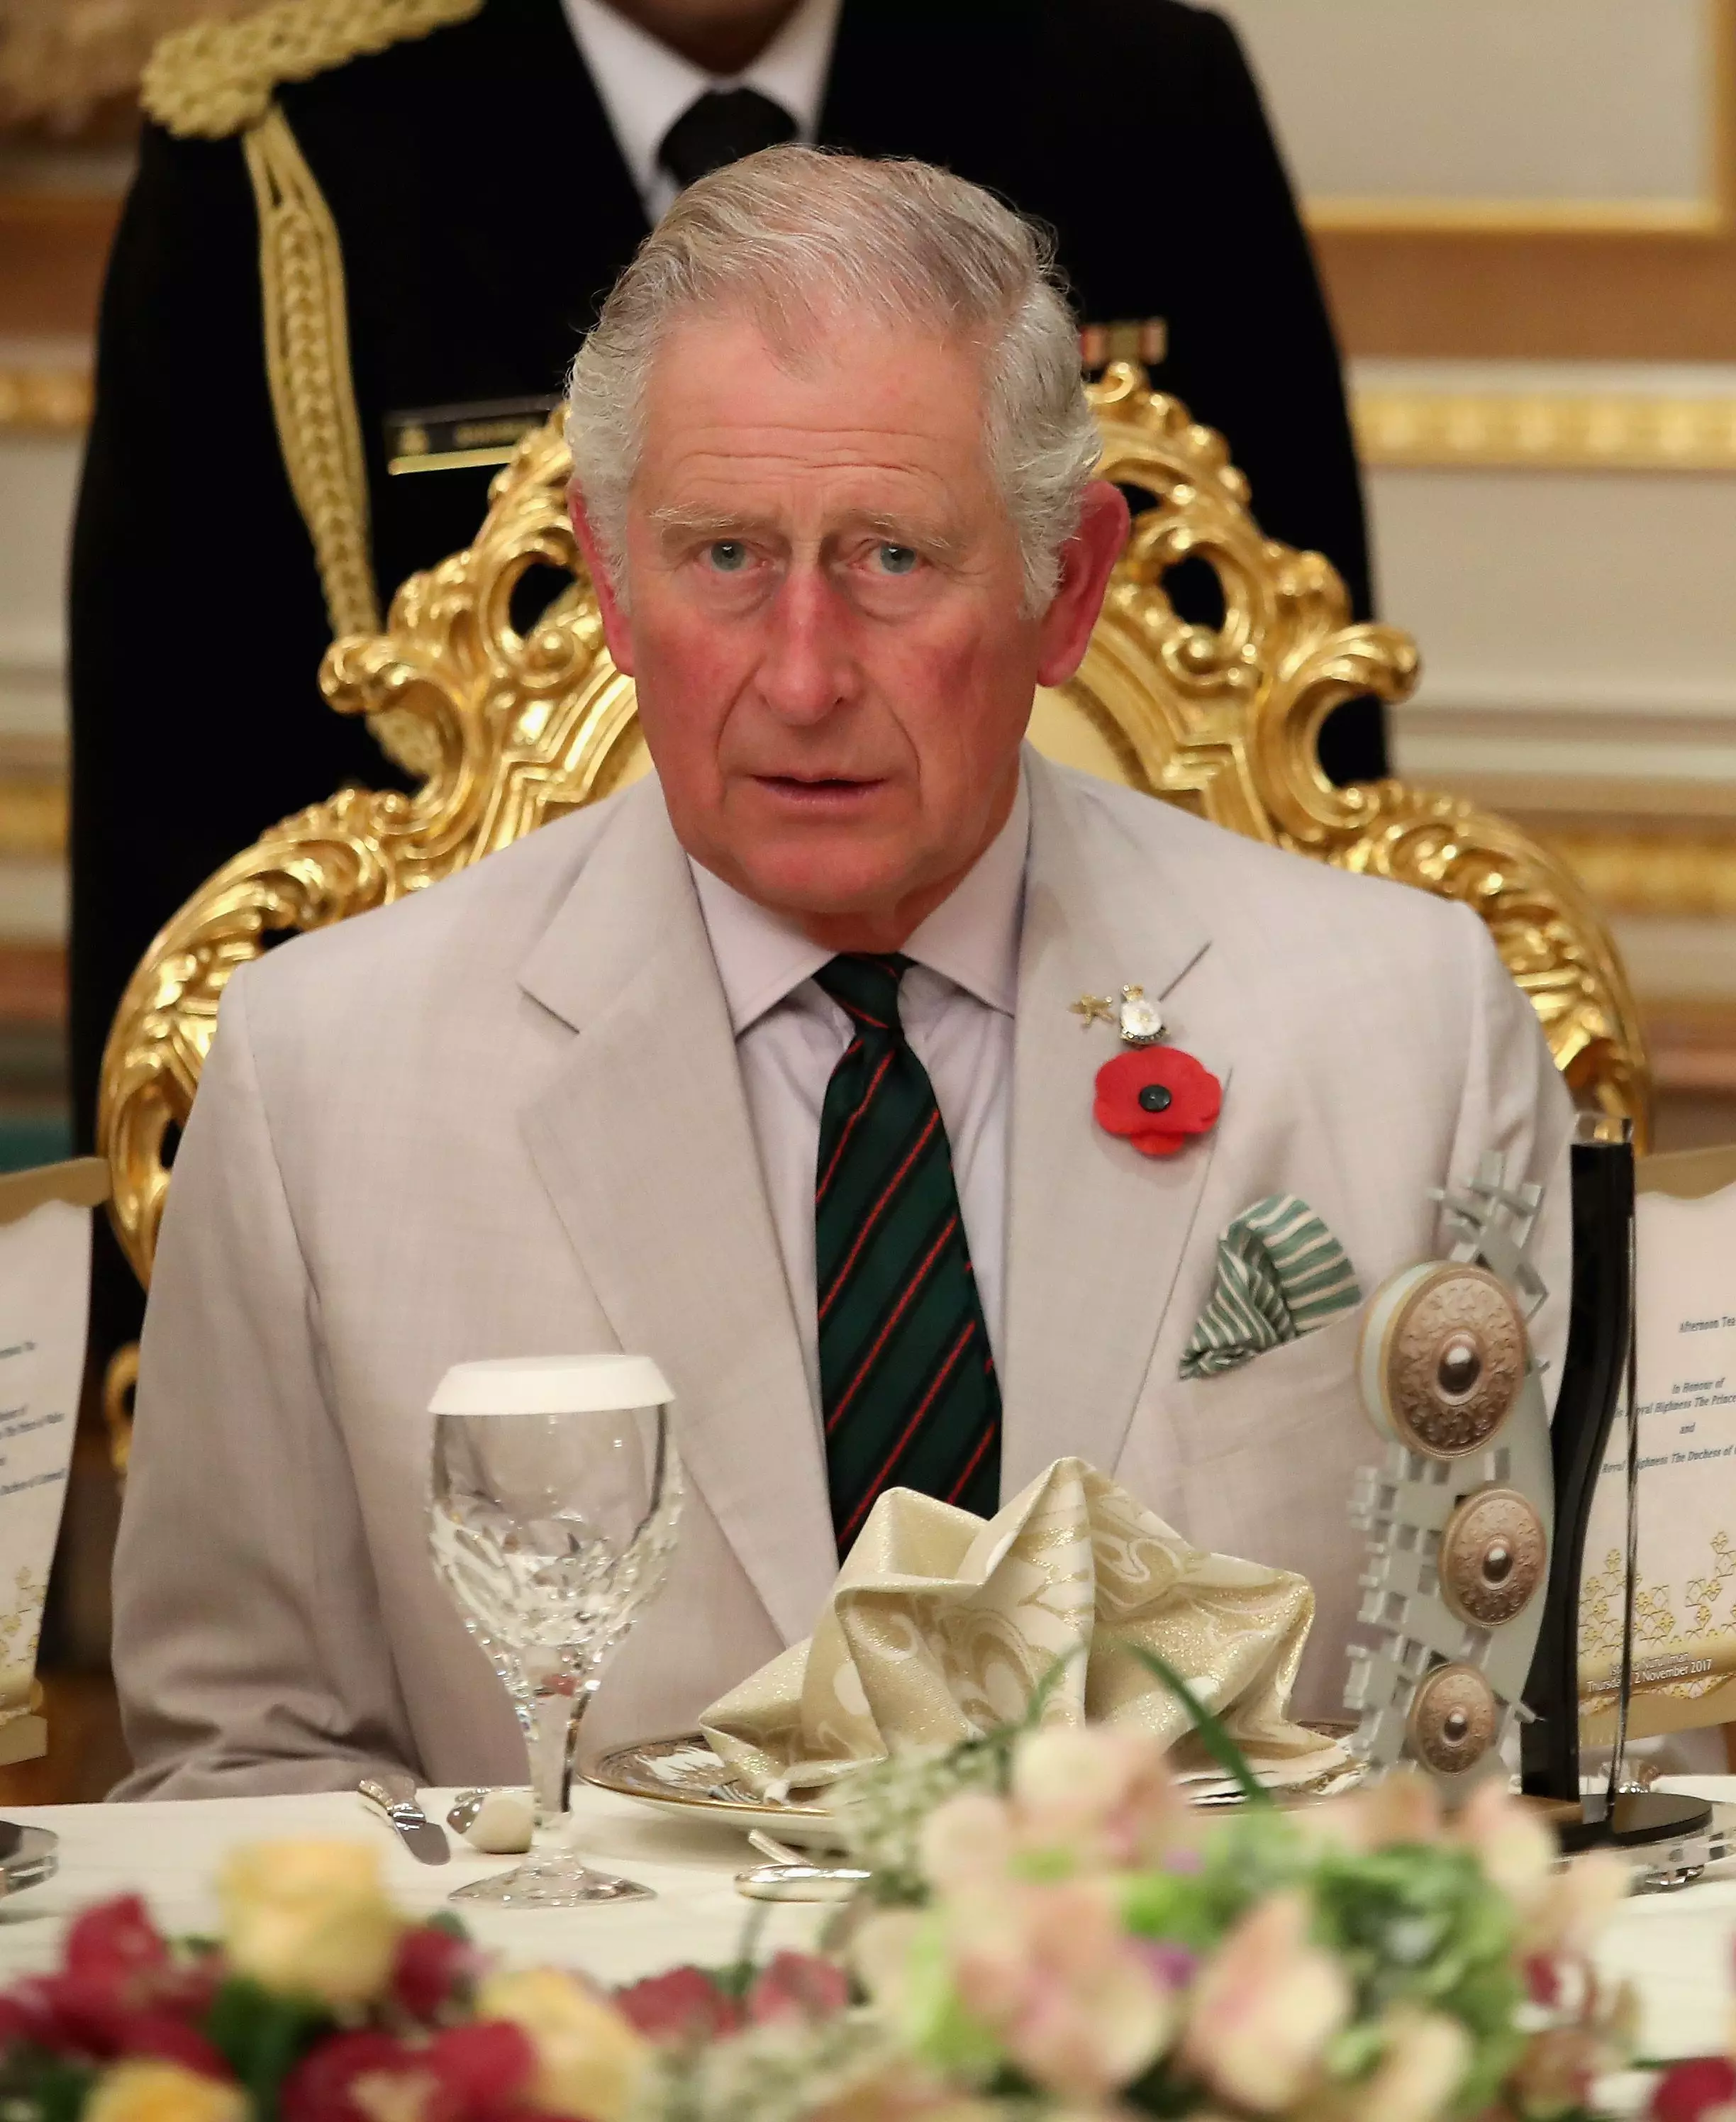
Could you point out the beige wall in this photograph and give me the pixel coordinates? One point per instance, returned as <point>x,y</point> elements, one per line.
<point>1607,104</point>
<point>39,466</point>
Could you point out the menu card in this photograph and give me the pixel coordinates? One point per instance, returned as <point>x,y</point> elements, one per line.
<point>45,1299</point>
<point>1684,1653</point>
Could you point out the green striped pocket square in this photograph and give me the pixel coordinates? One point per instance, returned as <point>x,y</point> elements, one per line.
<point>1281,1274</point>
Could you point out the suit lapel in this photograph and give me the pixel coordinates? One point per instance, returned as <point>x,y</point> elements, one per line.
<point>1096,1230</point>
<point>643,1141</point>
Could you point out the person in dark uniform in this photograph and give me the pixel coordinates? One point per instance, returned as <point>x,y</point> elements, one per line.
<point>446,190</point>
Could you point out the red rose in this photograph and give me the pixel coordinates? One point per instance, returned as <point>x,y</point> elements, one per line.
<point>797,1985</point>
<point>1157,1096</point>
<point>431,1968</point>
<point>71,2015</point>
<point>480,2072</point>
<point>482,2069</point>
<point>114,1943</point>
<point>685,2005</point>
<point>1686,2090</point>
<point>321,2086</point>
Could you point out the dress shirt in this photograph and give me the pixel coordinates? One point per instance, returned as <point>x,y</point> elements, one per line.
<point>956,1004</point>
<point>644,87</point>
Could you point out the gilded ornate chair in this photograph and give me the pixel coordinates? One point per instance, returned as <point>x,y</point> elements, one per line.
<point>518,716</point>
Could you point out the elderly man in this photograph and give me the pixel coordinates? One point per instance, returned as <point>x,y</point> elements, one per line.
<point>768,1067</point>
<point>488,167</point>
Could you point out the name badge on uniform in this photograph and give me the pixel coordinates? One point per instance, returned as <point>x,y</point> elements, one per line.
<point>450,437</point>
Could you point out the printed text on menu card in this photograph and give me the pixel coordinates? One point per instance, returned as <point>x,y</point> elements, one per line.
<point>1685,1593</point>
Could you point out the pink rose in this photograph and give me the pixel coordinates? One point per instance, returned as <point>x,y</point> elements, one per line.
<point>1421,2068</point>
<point>1402,1807</point>
<point>1049,1971</point>
<point>1515,1849</point>
<point>1265,2006</point>
<point>1106,1794</point>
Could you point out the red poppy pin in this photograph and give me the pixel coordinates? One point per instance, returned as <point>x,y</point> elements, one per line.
<point>1156,1095</point>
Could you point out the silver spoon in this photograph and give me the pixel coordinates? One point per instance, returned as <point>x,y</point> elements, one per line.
<point>791,1877</point>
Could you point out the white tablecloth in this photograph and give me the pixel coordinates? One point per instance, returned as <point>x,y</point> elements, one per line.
<point>170,1853</point>
<point>1676,1948</point>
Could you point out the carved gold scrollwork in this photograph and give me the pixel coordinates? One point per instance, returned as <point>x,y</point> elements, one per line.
<point>520,726</point>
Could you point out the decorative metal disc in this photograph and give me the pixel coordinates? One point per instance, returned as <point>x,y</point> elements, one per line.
<point>1493,1554</point>
<point>1454,1361</point>
<point>1454,1719</point>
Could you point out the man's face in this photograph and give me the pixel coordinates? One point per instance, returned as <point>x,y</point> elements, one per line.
<point>833,670</point>
<point>721,36</point>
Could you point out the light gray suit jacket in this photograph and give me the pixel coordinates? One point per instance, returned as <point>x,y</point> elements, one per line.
<point>505,1118</point>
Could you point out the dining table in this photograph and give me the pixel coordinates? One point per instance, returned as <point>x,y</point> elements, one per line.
<point>171,1851</point>
<point>1677,1949</point>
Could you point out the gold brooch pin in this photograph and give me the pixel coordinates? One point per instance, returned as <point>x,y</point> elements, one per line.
<point>1137,1018</point>
<point>1089,1007</point>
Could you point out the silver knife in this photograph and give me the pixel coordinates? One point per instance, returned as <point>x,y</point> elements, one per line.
<point>395,1797</point>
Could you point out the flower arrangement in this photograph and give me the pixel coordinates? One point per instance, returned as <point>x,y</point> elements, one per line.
<point>1051,1930</point>
<point>1087,1936</point>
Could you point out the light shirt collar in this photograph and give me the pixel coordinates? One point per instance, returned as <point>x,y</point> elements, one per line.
<point>645,86</point>
<point>971,938</point>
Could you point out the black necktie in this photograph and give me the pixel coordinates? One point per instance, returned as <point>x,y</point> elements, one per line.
<point>721,127</point>
<point>908,1383</point>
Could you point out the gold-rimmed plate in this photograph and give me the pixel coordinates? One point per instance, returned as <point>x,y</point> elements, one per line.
<point>682,1775</point>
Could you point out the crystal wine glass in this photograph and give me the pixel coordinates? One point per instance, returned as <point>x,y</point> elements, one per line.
<point>555,1497</point>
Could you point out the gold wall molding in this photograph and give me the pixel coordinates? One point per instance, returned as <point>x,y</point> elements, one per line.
<point>33,818</point>
<point>1399,216</point>
<point>44,401</point>
<point>1648,868</point>
<point>1547,430</point>
<point>1541,430</point>
<point>1651,868</point>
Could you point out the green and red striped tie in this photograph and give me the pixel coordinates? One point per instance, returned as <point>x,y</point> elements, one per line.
<point>907,1383</point>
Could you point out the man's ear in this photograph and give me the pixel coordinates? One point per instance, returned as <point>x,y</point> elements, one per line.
<point>1086,560</point>
<point>616,631</point>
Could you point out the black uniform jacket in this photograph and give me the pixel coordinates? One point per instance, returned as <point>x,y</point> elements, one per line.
<point>483,210</point>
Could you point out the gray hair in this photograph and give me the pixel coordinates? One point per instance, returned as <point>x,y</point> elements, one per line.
<point>794,236</point>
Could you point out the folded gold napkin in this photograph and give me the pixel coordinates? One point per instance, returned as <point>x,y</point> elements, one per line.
<point>941,1626</point>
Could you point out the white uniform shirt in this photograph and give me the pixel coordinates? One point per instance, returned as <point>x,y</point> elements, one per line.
<point>956,1003</point>
<point>645,87</point>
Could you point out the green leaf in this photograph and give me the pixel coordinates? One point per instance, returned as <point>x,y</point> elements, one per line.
<point>737,1979</point>
<point>37,2087</point>
<point>261,2036</point>
<point>1173,1906</point>
<point>1166,2093</point>
<point>934,2020</point>
<point>1212,1733</point>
